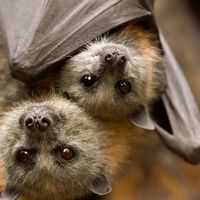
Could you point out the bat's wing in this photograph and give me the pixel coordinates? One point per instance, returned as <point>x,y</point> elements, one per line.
<point>182,112</point>
<point>177,114</point>
<point>177,117</point>
<point>42,32</point>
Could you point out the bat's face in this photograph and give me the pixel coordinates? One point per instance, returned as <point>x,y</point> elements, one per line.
<point>50,152</point>
<point>108,79</point>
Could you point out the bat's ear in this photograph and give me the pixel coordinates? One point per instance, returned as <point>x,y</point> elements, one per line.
<point>101,185</point>
<point>141,118</point>
<point>9,194</point>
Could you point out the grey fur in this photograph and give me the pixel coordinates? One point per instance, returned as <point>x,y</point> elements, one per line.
<point>103,100</point>
<point>45,179</point>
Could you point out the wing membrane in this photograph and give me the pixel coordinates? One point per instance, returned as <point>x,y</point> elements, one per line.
<point>42,32</point>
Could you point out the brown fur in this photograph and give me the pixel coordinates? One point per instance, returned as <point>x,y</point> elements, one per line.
<point>142,70</point>
<point>146,42</point>
<point>109,147</point>
<point>123,139</point>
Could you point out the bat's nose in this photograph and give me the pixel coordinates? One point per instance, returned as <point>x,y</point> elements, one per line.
<point>38,118</point>
<point>114,58</point>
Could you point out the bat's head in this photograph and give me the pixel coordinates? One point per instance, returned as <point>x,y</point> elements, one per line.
<point>50,152</point>
<point>112,79</point>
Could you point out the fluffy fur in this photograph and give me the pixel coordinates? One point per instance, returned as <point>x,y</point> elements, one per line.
<point>100,149</point>
<point>105,146</point>
<point>142,71</point>
<point>49,177</point>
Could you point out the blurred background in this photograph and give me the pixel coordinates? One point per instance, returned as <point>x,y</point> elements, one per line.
<point>157,174</point>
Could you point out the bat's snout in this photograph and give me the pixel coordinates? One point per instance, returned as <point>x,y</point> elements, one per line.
<point>114,59</point>
<point>38,118</point>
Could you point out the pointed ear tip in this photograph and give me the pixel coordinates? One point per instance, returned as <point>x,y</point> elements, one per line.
<point>101,186</point>
<point>103,191</point>
<point>151,128</point>
<point>106,192</point>
<point>142,119</point>
<point>147,125</point>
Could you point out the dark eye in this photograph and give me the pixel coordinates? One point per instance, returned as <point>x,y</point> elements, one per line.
<point>66,153</point>
<point>124,87</point>
<point>88,80</point>
<point>25,156</point>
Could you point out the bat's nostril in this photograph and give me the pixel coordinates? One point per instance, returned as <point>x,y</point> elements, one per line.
<point>38,118</point>
<point>45,122</point>
<point>122,59</point>
<point>115,59</point>
<point>29,122</point>
<point>108,58</point>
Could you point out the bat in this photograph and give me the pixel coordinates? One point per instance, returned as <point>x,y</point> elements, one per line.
<point>117,77</point>
<point>40,34</point>
<point>49,150</point>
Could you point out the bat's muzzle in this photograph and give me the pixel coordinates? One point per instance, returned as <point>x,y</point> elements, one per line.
<point>114,59</point>
<point>38,118</point>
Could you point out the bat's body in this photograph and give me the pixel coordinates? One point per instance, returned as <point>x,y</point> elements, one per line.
<point>51,149</point>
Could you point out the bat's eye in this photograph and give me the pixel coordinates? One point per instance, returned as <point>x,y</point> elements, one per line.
<point>25,156</point>
<point>124,87</point>
<point>66,153</point>
<point>88,80</point>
